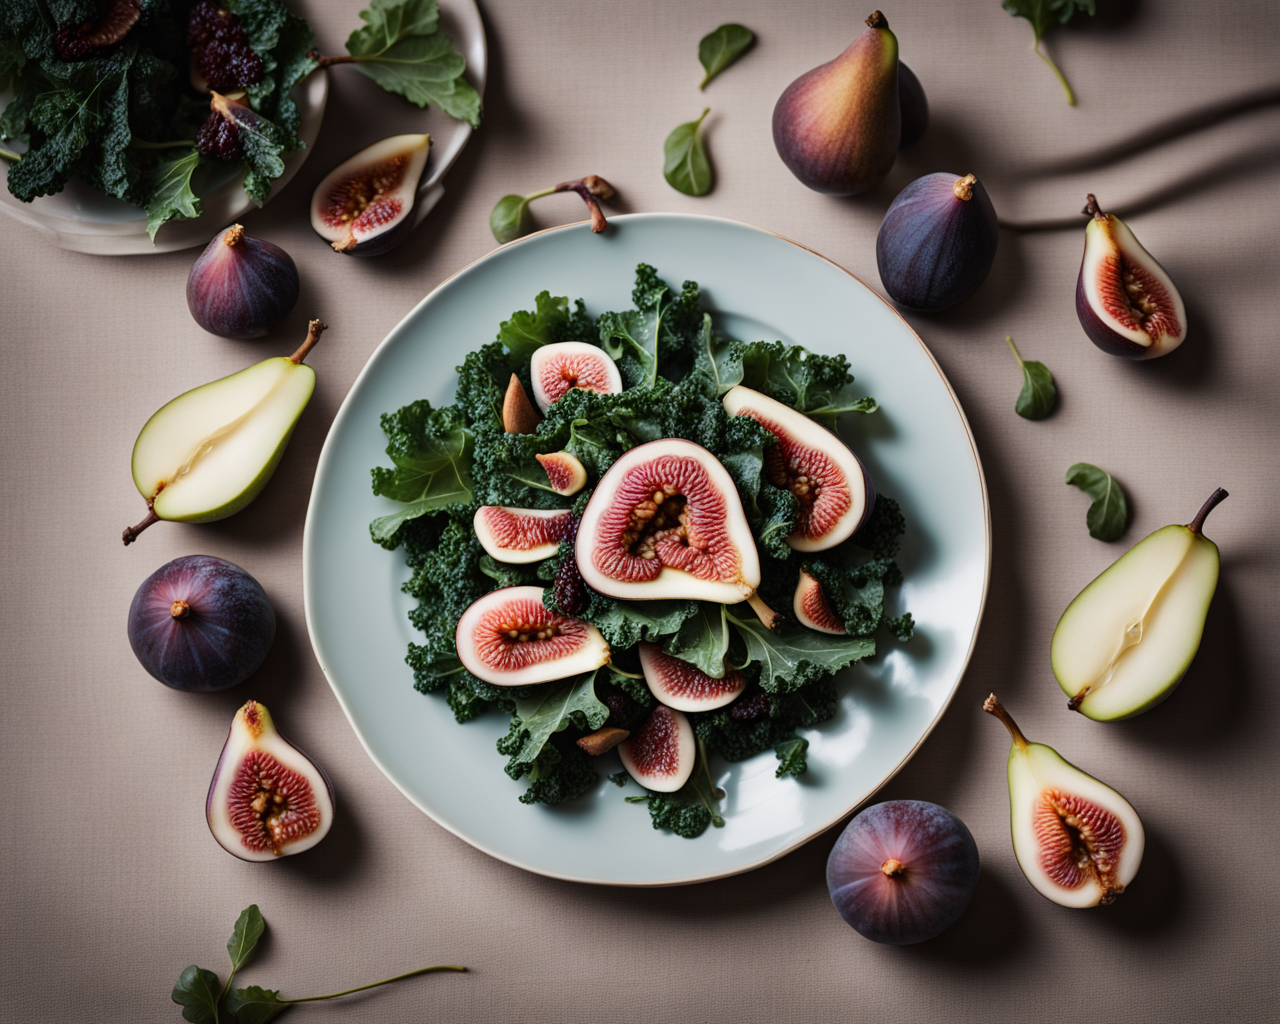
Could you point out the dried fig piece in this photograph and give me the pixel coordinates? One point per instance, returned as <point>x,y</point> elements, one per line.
<point>518,414</point>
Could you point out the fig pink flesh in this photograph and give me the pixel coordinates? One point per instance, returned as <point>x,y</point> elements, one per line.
<point>813,609</point>
<point>1136,298</point>
<point>685,687</point>
<point>271,805</point>
<point>572,366</point>
<point>660,756</point>
<point>517,530</point>
<point>564,472</point>
<point>363,201</point>
<point>539,635</point>
<point>811,475</point>
<point>1078,839</point>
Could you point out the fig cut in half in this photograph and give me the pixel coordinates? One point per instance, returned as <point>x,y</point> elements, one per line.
<point>556,368</point>
<point>1077,840</point>
<point>660,755</point>
<point>509,638</point>
<point>1126,302</point>
<point>364,206</point>
<point>268,799</point>
<point>666,521</point>
<point>565,472</point>
<point>518,536</point>
<point>813,609</point>
<point>834,490</point>
<point>684,687</point>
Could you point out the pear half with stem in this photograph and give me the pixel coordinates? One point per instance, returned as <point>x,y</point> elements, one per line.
<point>1077,840</point>
<point>210,451</point>
<point>1128,638</point>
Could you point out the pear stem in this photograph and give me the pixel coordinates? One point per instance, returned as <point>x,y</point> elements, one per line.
<point>877,20</point>
<point>1197,524</point>
<point>893,867</point>
<point>1091,207</point>
<point>131,532</point>
<point>992,706</point>
<point>314,329</point>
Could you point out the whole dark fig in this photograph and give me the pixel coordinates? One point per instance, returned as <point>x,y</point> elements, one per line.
<point>201,624</point>
<point>937,241</point>
<point>241,287</point>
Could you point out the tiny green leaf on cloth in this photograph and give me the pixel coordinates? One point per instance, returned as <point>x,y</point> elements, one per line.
<point>1039,393</point>
<point>1108,515</point>
<point>720,48</point>
<point>510,218</point>
<point>245,935</point>
<point>686,166</point>
<point>254,1004</point>
<point>197,992</point>
<point>1043,15</point>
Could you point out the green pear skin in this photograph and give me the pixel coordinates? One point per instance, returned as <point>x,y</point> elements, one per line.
<point>1126,641</point>
<point>837,127</point>
<point>209,452</point>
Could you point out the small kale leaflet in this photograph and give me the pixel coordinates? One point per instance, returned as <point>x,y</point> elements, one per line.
<point>431,450</point>
<point>1043,15</point>
<point>791,757</point>
<point>1038,395</point>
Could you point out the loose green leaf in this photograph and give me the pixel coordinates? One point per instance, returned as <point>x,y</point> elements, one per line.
<point>685,164</point>
<point>1108,515</point>
<point>1039,394</point>
<point>510,218</point>
<point>792,759</point>
<point>431,450</point>
<point>170,189</point>
<point>791,658</point>
<point>556,707</point>
<point>255,1005</point>
<point>244,936</point>
<point>197,992</point>
<point>1043,15</point>
<point>400,48</point>
<point>720,48</point>
<point>703,639</point>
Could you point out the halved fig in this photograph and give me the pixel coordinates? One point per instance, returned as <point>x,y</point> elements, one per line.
<point>684,687</point>
<point>660,756</point>
<point>267,798</point>
<point>1126,302</point>
<point>92,38</point>
<point>813,609</point>
<point>364,206</point>
<point>509,638</point>
<point>835,492</point>
<point>565,472</point>
<point>520,535</point>
<point>666,521</point>
<point>556,368</point>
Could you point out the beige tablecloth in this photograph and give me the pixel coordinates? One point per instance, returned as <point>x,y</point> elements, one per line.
<point>111,882</point>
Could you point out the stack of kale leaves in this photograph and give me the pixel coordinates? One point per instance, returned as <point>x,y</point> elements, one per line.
<point>675,367</point>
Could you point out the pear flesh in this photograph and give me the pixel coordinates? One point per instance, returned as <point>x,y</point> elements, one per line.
<point>209,452</point>
<point>1128,638</point>
<point>1077,840</point>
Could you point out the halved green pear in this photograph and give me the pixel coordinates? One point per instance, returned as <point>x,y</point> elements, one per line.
<point>1077,840</point>
<point>210,451</point>
<point>1128,638</point>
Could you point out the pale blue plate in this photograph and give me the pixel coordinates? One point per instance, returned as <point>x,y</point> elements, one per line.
<point>918,449</point>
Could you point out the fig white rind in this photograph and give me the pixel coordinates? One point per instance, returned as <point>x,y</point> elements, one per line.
<point>670,582</point>
<point>668,769</point>
<point>555,369</point>
<point>488,524</point>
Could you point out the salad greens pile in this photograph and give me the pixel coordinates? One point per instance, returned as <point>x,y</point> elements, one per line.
<point>125,121</point>
<point>675,367</point>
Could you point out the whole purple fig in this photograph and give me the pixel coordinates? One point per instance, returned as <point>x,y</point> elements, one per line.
<point>241,287</point>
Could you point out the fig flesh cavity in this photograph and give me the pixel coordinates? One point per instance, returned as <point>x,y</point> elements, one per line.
<point>268,799</point>
<point>556,368</point>
<point>684,687</point>
<point>241,287</point>
<point>834,490</point>
<point>509,638</point>
<point>661,754</point>
<point>201,624</point>
<point>1126,302</point>
<point>1077,840</point>
<point>520,535</point>
<point>565,472</point>
<point>837,127</point>
<point>364,206</point>
<point>937,241</point>
<point>903,871</point>
<point>665,521</point>
<point>813,609</point>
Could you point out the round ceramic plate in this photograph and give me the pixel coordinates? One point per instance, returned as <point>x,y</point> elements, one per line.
<point>918,449</point>
<point>82,219</point>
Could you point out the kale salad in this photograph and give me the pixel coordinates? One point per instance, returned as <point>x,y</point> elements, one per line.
<point>505,525</point>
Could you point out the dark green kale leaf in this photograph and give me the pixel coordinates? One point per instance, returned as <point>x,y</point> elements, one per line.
<point>625,623</point>
<point>284,42</point>
<point>552,708</point>
<point>737,740</point>
<point>818,386</point>
<point>688,811</point>
<point>716,359</point>
<point>561,772</point>
<point>169,190</point>
<point>792,760</point>
<point>703,639</point>
<point>658,334</point>
<point>432,453</point>
<point>791,656</point>
<point>526,332</point>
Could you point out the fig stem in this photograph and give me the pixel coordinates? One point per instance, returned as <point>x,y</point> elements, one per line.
<point>992,706</point>
<point>893,867</point>
<point>877,20</point>
<point>1197,524</point>
<point>131,532</point>
<point>179,609</point>
<point>1066,87</point>
<point>624,673</point>
<point>337,58</point>
<point>234,234</point>
<point>589,188</point>
<point>1091,207</point>
<point>314,329</point>
<point>767,616</point>
<point>384,981</point>
<point>963,188</point>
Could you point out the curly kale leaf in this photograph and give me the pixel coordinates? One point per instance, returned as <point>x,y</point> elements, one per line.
<point>625,623</point>
<point>562,771</point>
<point>791,657</point>
<point>553,708</point>
<point>736,740</point>
<point>658,334</point>
<point>688,811</point>
<point>818,386</point>
<point>792,757</point>
<point>526,332</point>
<point>284,42</point>
<point>169,188</point>
<point>432,453</point>
<point>716,360</point>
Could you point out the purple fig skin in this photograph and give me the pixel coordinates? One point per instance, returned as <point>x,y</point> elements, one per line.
<point>915,107</point>
<point>837,127</point>
<point>935,248</point>
<point>217,640</point>
<point>903,871</point>
<point>241,287</point>
<point>1102,335</point>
